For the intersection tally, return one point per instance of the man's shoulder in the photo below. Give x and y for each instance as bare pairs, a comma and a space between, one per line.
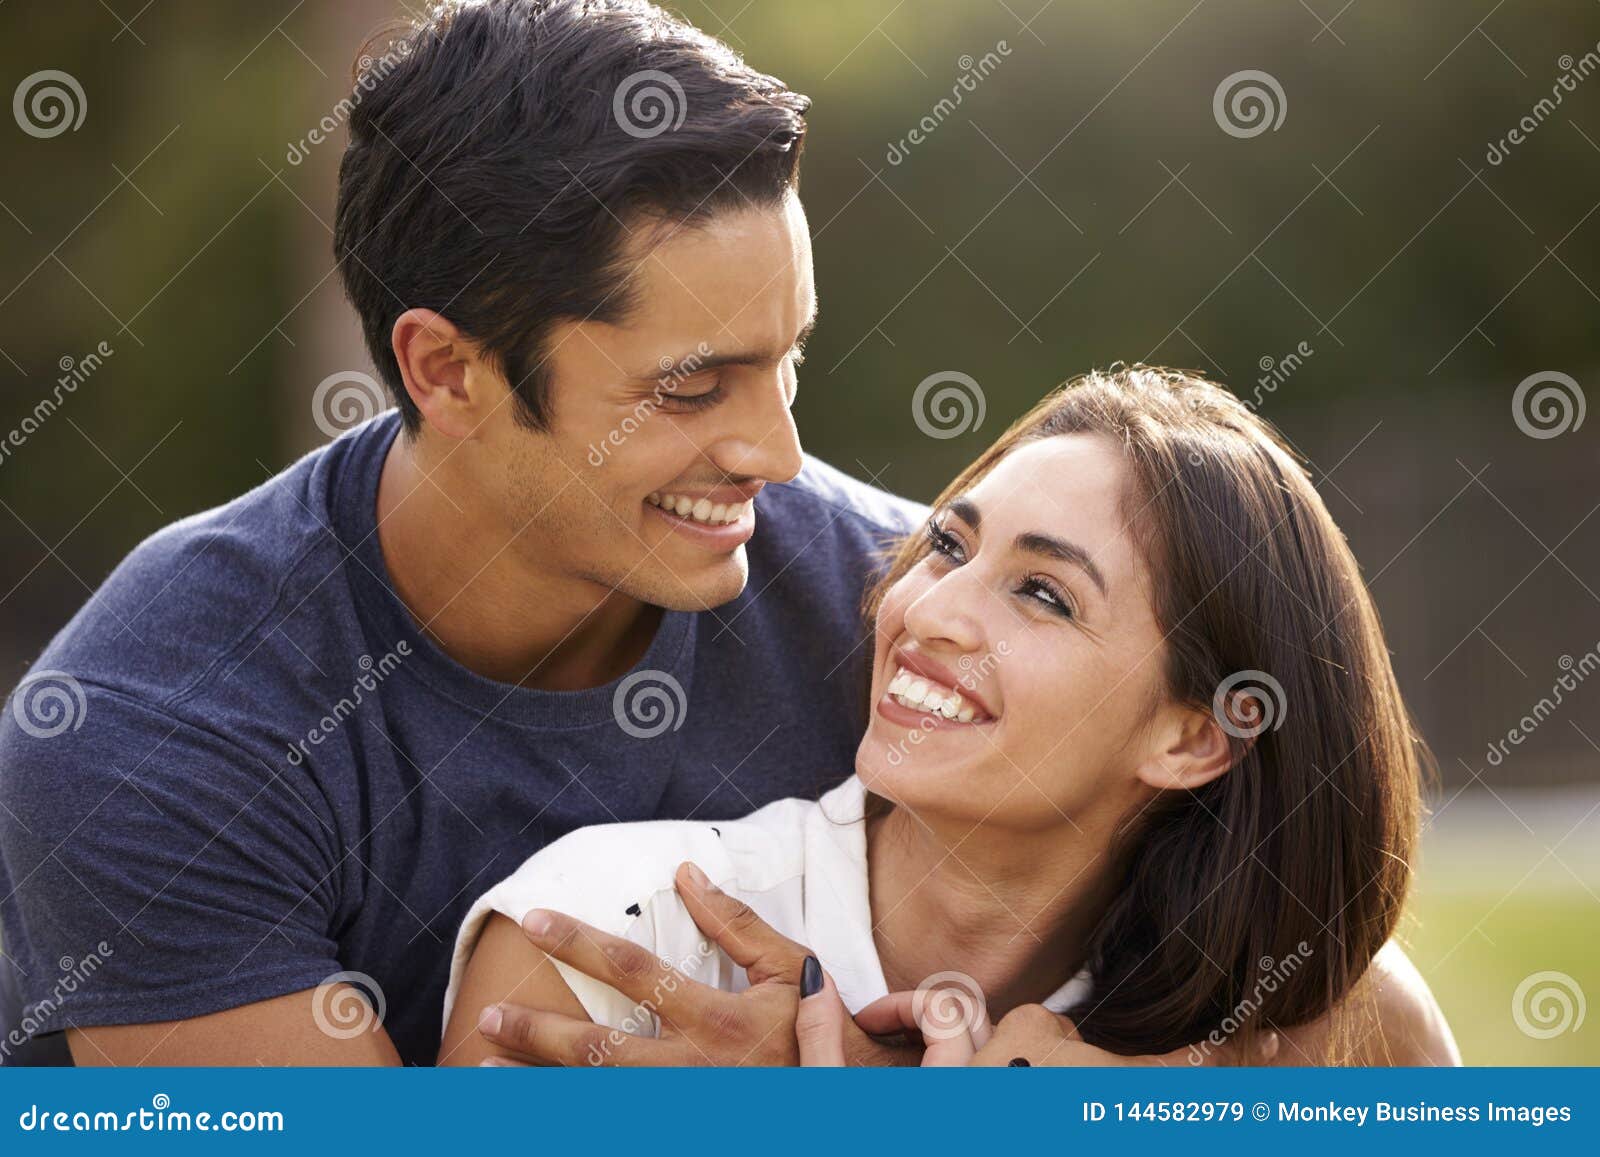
824, 499
200, 588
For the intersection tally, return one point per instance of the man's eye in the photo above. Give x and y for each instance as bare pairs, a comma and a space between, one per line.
690, 402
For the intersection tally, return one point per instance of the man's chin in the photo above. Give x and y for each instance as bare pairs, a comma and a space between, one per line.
714, 583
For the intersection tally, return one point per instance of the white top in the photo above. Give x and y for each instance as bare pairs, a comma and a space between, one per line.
802, 867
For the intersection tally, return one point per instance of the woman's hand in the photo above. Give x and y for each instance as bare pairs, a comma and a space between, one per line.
700, 1025
823, 1026
1026, 1036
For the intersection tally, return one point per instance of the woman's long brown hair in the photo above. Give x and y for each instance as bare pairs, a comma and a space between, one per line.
1257, 901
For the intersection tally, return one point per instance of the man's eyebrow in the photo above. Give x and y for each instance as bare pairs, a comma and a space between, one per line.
693, 362
1033, 542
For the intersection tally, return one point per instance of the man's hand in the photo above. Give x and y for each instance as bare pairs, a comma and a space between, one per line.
827, 1035
700, 1025
1026, 1036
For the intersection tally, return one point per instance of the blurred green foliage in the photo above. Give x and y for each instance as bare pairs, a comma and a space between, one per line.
1079, 205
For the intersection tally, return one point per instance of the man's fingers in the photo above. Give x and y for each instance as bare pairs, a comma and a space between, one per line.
1232, 1052
552, 1038
752, 943
1034, 1035
819, 1027
624, 965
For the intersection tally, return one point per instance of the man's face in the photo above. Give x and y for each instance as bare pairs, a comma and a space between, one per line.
663, 428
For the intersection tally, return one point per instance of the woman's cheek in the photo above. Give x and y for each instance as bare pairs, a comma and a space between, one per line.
892, 611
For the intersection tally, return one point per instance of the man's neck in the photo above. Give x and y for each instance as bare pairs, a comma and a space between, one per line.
465, 578
1013, 912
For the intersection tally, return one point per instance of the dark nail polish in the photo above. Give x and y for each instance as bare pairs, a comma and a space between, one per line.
810, 977
1019, 1063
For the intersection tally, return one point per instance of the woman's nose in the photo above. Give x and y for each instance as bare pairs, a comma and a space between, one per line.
948, 612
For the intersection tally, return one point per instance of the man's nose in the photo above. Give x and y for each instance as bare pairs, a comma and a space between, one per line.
762, 441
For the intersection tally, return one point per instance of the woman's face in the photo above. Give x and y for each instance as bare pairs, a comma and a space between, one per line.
1018, 666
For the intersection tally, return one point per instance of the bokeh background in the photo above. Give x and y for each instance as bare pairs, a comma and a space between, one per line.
1377, 264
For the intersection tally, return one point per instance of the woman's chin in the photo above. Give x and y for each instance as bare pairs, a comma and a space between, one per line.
909, 776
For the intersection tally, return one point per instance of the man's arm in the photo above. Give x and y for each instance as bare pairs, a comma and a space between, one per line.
504, 968
282, 1031
1389, 1018
200, 882
700, 1025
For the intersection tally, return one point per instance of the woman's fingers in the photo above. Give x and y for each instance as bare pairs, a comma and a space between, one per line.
953, 1025
820, 1022
888, 1015
752, 943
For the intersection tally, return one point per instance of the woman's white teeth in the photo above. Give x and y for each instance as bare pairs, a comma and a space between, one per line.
917, 693
700, 510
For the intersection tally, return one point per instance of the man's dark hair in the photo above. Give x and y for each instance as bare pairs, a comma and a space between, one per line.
503, 151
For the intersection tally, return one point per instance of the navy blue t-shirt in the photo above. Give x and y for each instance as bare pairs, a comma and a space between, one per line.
241, 769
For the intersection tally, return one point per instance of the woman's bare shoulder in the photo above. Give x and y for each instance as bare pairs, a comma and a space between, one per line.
1389, 1018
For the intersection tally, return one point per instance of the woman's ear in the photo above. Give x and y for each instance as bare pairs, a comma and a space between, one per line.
453, 386
1192, 750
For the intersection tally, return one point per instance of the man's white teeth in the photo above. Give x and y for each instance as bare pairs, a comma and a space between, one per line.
917, 693
703, 510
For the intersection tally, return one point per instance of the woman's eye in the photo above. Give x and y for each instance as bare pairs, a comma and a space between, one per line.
1042, 591
941, 541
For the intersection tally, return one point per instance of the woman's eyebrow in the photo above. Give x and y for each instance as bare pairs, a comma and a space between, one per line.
1068, 552
1035, 543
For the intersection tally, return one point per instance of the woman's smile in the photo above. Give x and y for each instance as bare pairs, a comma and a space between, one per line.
923, 693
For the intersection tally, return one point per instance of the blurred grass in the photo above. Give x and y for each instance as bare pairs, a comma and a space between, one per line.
1475, 947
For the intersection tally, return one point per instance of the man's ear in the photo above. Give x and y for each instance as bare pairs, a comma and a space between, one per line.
447, 378
1193, 749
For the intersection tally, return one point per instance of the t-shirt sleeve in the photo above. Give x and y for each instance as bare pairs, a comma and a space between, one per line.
617, 878
152, 870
